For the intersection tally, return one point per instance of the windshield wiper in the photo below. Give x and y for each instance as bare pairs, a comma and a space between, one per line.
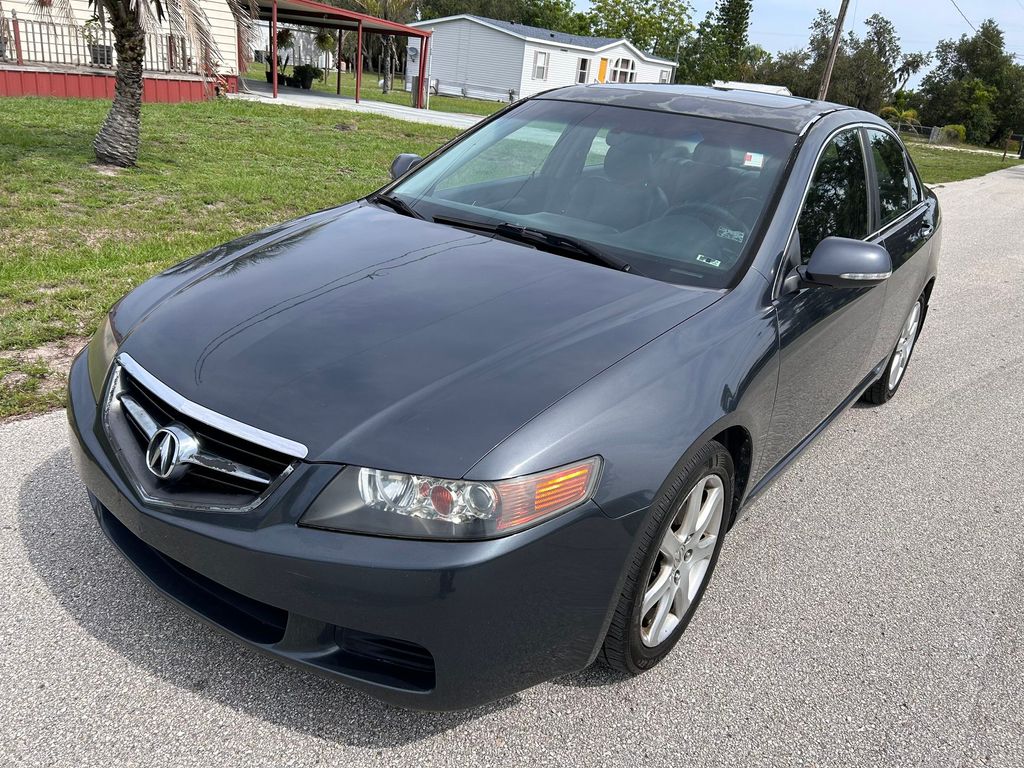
394, 203
533, 236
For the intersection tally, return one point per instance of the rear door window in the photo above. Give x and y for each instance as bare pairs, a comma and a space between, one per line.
897, 190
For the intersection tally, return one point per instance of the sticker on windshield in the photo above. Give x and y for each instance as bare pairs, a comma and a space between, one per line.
731, 234
753, 160
713, 262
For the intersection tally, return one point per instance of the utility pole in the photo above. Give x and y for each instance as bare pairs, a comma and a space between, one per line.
826, 78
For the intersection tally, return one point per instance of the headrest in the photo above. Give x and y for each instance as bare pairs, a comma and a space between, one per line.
713, 154
629, 161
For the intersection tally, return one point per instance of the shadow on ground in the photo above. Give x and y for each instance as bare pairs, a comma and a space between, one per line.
104, 595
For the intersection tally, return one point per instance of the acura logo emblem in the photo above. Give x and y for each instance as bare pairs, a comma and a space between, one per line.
170, 451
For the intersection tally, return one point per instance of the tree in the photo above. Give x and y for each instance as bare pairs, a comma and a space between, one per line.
716, 50
392, 10
117, 142
656, 26
868, 70
975, 83
559, 15
900, 116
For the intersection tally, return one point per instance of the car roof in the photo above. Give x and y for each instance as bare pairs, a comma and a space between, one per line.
782, 113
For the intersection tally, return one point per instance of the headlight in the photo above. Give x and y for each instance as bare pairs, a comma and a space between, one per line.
102, 349
362, 500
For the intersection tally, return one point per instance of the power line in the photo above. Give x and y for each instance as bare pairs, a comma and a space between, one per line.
964, 16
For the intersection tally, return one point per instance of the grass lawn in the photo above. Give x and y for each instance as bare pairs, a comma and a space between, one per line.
371, 92
938, 165
73, 239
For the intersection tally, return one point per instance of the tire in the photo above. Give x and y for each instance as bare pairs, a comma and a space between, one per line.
636, 641
896, 370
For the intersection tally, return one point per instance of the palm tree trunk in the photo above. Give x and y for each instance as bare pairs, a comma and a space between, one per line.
117, 142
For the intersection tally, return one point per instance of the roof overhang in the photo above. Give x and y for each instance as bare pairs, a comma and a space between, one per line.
314, 14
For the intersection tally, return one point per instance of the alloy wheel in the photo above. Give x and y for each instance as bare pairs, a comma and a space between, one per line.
684, 558
904, 346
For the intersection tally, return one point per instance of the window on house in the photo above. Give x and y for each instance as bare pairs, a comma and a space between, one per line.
540, 65
624, 71
663, 76
583, 71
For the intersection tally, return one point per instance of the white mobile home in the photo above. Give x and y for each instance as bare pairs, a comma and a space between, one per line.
492, 59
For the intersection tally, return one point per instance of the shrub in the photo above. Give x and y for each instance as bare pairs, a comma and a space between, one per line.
954, 134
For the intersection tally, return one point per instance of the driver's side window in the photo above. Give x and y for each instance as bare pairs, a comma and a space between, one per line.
837, 201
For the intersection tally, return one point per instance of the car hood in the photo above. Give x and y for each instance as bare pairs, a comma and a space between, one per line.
386, 341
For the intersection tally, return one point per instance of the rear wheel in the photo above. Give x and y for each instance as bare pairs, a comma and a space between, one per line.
673, 565
883, 389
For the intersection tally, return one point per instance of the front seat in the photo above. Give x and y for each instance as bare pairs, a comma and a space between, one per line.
627, 195
708, 178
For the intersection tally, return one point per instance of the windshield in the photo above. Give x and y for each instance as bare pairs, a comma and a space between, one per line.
676, 197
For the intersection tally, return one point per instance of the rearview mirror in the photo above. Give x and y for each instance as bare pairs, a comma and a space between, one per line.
839, 262
404, 163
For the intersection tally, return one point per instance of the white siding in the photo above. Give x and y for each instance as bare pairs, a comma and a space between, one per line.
646, 72
217, 12
564, 62
561, 68
474, 60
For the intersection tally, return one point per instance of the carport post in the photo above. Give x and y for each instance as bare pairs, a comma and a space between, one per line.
341, 36
420, 102
273, 44
359, 58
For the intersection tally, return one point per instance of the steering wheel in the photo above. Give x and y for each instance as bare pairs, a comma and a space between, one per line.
714, 215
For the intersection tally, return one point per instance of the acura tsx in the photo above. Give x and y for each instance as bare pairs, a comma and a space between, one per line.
495, 420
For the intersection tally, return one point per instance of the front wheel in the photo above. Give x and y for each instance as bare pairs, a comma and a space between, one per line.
883, 389
673, 564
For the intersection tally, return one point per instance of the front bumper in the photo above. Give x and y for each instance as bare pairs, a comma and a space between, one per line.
426, 625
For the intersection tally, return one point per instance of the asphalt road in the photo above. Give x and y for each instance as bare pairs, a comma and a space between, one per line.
868, 612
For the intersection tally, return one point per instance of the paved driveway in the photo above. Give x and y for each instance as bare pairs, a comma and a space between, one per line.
869, 612
293, 97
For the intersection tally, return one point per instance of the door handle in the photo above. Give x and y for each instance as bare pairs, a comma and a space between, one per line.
926, 230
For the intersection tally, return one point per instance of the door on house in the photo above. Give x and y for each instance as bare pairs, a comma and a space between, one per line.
602, 71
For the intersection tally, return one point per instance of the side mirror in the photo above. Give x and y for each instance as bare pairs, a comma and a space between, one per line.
839, 262
404, 163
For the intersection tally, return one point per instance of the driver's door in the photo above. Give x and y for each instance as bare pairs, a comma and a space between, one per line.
826, 334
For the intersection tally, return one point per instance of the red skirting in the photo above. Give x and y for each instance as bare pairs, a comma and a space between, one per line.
75, 85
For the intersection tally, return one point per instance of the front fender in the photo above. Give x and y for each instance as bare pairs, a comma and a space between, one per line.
653, 408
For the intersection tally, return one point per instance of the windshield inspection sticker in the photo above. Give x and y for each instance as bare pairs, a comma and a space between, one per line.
713, 262
731, 234
753, 160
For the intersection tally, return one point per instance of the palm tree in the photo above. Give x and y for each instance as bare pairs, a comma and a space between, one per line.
900, 116
117, 142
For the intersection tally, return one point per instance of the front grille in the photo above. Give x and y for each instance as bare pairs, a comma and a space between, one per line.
223, 470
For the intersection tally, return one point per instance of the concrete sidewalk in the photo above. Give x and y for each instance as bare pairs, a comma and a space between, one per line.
294, 97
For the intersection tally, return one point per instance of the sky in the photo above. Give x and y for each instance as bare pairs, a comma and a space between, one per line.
779, 25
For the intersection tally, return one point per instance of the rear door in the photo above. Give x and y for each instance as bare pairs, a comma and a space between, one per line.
905, 226
826, 334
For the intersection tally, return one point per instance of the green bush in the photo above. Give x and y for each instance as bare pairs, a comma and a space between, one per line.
954, 134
